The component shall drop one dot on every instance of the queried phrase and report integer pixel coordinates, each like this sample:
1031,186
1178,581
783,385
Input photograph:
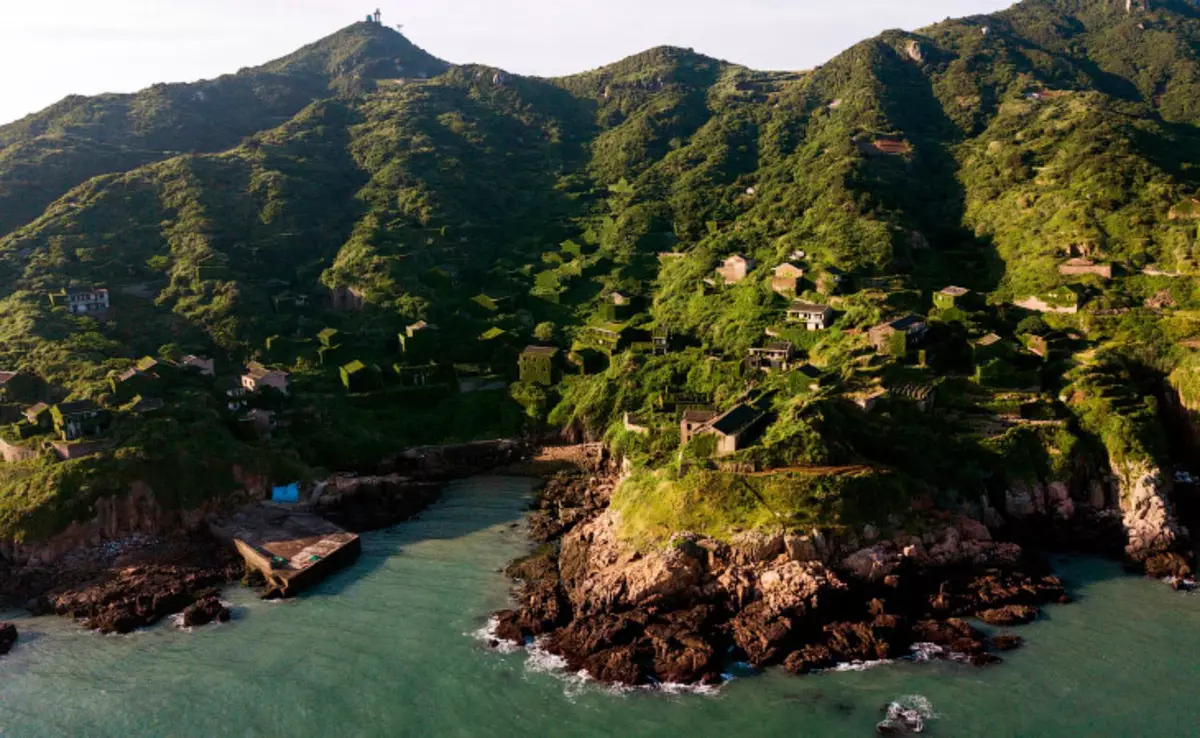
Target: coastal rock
8,637
207,610
679,612
1147,514
1020,501
809,659
872,564
1005,642
1168,566
801,549
158,582
753,547
599,574
1009,615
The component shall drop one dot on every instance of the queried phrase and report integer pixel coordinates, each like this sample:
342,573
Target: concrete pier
293,549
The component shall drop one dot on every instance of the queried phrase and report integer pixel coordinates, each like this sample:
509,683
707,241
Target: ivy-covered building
538,365
360,377
896,337
75,420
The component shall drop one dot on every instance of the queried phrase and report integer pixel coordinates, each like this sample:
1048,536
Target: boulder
809,659
801,549
1019,501
753,547
8,637
872,564
1009,615
207,610
1005,642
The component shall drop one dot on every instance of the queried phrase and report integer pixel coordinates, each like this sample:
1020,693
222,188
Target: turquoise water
387,648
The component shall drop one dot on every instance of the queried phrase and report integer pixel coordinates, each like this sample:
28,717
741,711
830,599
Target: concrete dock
293,549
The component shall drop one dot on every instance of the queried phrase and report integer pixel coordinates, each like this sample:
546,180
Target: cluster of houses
78,427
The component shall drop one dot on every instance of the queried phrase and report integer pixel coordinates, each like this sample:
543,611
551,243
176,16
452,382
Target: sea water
391,647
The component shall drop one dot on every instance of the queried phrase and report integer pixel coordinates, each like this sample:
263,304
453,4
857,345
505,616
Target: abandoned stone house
898,336
416,376
988,347
133,382
692,422
83,300
736,429
661,338
39,415
774,357
815,317
620,306
74,420
787,277
257,377
951,297
538,364
736,268
14,385
1079,266
204,365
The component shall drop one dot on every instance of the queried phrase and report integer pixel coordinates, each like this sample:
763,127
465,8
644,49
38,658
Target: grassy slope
554,192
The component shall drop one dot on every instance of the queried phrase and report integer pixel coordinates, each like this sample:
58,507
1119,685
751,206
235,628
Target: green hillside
393,231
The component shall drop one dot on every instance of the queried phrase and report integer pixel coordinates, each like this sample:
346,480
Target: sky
92,46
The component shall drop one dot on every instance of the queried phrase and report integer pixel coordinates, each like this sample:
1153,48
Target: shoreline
687,614
137,580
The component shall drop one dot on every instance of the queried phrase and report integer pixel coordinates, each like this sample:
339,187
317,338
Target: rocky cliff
806,601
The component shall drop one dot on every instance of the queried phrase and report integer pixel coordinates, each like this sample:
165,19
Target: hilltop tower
378,16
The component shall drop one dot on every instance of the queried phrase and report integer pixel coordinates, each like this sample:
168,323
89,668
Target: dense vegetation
392,231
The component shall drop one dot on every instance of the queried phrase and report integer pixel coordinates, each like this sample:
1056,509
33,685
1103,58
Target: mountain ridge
508,210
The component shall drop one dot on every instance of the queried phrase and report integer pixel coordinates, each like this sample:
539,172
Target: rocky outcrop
117,590
1153,533
207,610
804,600
8,637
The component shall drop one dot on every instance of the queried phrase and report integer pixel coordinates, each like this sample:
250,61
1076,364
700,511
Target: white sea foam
909,713
540,661
923,653
487,634
177,619
856,666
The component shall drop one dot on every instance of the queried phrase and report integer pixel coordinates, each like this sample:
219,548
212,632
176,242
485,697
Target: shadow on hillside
927,192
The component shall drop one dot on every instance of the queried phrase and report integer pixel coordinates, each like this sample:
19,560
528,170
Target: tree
544,332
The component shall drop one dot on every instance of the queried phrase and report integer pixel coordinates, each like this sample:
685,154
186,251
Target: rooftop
907,322
147,404
6,376
801,306
78,406
540,351
955,291
736,420
85,290
698,416
990,339
257,371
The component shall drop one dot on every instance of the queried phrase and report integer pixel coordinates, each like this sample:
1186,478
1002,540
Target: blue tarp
290,493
